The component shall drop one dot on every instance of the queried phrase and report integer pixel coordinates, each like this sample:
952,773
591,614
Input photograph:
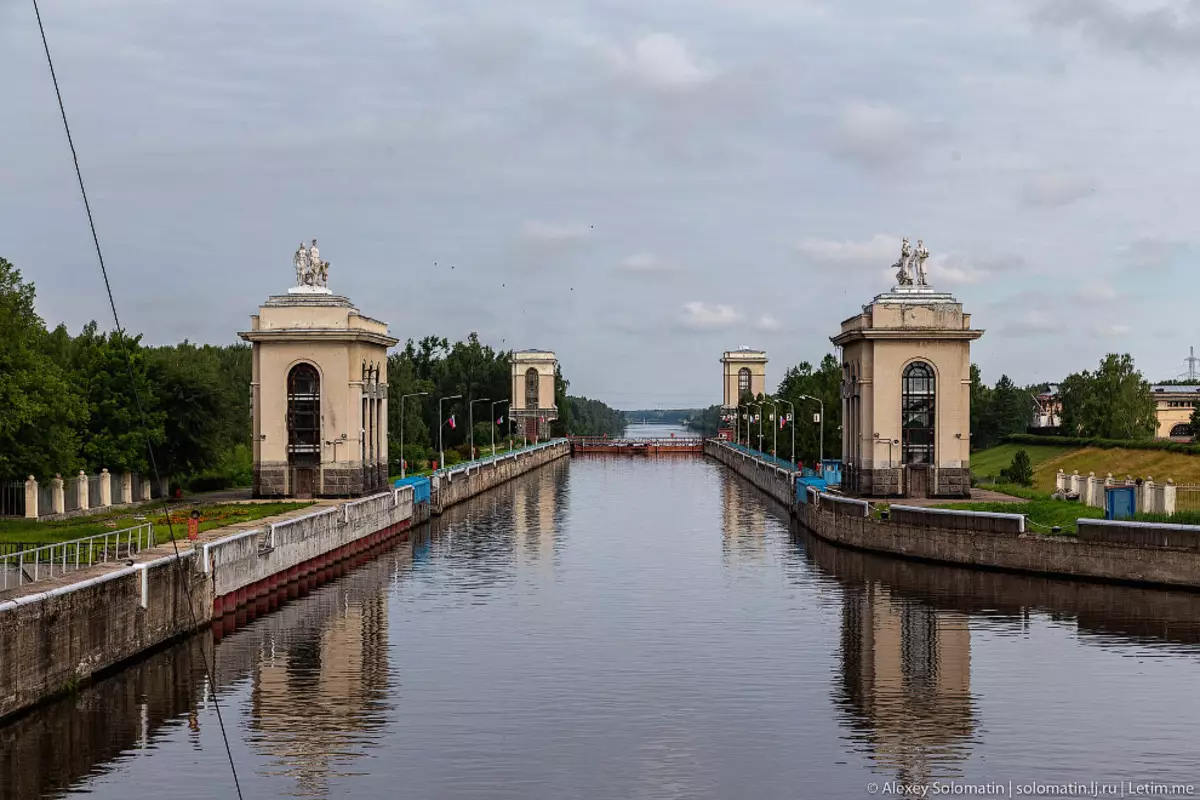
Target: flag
782,422
450,422
501,420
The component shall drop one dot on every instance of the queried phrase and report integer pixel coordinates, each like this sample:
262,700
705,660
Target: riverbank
1135,553
58,635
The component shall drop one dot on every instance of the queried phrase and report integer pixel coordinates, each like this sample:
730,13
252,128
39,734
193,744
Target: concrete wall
977,521
465,481
1025,552
1140,534
777,482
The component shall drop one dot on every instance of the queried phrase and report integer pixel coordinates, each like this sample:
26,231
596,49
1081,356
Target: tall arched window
304,413
918,403
531,388
743,382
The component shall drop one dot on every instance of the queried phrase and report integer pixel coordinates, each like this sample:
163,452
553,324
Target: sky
637,185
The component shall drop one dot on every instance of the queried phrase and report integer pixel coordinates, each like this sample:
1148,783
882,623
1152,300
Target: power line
183,578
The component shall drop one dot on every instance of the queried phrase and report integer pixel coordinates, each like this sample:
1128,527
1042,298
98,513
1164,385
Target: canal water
625,627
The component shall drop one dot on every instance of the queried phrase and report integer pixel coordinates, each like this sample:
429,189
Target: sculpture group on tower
310,269
911,264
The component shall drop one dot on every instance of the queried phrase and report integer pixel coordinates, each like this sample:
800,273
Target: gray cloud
874,135
1057,188
1169,30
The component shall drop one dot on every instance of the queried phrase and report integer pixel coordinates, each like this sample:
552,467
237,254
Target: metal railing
12,499
783,463
1187,498
47,561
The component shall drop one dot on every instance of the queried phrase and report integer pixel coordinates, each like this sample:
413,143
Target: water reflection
744,515
906,682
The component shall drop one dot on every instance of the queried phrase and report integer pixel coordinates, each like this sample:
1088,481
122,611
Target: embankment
1126,552
51,641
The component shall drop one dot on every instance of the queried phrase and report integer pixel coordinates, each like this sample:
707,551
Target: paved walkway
977,496
160,551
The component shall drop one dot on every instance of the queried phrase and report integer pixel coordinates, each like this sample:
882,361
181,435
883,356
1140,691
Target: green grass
987,464
211,516
1042,512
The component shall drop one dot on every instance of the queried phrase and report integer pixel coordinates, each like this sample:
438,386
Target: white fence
1152,498
43,563
84,494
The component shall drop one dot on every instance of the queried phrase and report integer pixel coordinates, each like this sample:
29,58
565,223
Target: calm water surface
641,628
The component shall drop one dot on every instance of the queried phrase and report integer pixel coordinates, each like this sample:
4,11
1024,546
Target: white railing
43,563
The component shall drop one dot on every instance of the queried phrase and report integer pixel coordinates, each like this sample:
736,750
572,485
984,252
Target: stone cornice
319,334
884,334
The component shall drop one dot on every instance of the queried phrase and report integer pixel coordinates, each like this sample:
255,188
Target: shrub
1020,471
1106,444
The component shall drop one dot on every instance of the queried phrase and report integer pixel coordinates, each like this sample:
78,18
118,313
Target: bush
1106,444
1020,471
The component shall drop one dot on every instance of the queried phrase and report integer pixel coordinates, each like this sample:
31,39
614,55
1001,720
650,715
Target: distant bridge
637,447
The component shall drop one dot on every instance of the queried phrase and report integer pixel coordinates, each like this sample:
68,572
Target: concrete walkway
977,496
159,551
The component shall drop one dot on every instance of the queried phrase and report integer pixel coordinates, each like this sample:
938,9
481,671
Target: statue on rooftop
310,269
920,256
903,276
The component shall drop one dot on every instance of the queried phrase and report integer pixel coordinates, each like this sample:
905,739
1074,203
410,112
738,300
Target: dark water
620,627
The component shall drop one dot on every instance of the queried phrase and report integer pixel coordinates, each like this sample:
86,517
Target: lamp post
737,428
471,422
792,410
822,423
442,424
496,403
774,427
403,463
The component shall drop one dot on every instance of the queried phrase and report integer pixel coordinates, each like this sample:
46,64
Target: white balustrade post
1089,490
1146,501
31,498
1168,498
81,489
105,489
1077,483
145,489
126,488
1060,481
60,500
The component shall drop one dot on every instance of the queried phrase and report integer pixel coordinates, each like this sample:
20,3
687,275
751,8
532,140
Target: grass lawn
988,463
211,516
1043,513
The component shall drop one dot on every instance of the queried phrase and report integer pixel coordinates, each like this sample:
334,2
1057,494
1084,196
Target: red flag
782,422
500,421
450,422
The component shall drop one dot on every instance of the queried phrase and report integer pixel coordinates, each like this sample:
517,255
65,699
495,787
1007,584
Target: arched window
1182,431
304,413
743,382
918,403
531,388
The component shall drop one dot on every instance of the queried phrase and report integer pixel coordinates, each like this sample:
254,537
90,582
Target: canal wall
55,640
464,481
776,482
1126,552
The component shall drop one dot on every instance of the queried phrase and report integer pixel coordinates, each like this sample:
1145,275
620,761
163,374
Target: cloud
662,62
1169,30
1097,293
879,251
554,233
701,317
648,263
1153,255
1111,329
1033,323
767,324
1057,188
874,135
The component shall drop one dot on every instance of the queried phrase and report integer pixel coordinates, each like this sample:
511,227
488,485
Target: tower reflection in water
744,524
319,689
906,683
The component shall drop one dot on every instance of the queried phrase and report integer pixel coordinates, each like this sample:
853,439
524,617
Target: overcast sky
635,184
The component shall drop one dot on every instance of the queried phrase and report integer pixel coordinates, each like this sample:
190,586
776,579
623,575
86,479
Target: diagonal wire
183,578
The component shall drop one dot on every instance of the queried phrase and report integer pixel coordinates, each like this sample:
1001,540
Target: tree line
104,400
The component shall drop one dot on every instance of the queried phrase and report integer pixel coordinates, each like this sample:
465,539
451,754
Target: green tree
1195,422
1011,408
102,365
1020,471
203,414
1114,402
40,412
824,383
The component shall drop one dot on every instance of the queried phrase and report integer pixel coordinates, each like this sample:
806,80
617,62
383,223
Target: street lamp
442,424
774,428
821,423
496,403
471,421
403,463
737,434
792,411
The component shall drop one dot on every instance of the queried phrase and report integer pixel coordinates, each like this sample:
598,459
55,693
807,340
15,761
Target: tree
1011,408
200,409
111,374
562,425
1020,471
1195,422
1114,402
825,383
40,412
